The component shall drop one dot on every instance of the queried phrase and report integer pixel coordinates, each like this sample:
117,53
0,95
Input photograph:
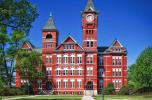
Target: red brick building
74,69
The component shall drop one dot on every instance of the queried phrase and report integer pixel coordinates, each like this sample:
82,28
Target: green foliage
2,83
40,75
109,90
17,14
16,18
28,64
127,90
141,72
11,91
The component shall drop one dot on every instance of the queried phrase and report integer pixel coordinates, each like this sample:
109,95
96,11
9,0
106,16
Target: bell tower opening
49,36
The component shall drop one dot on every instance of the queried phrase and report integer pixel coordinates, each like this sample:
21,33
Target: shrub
109,89
126,90
11,91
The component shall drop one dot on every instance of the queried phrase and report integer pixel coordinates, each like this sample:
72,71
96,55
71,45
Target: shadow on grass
47,99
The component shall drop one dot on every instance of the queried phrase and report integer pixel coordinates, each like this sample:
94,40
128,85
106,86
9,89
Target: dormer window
116,49
69,47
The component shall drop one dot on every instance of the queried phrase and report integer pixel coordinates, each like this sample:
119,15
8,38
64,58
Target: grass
55,97
45,98
120,97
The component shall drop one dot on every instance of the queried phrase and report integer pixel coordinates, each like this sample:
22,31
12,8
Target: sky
129,21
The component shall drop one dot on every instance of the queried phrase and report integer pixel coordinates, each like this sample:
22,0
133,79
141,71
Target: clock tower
89,26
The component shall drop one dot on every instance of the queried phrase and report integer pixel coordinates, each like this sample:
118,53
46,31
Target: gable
69,44
116,47
27,45
117,44
69,40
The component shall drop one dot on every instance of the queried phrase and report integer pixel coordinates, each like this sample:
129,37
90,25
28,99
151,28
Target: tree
141,72
29,65
109,89
16,17
17,14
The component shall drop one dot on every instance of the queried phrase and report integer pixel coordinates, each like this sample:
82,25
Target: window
90,59
89,34
89,71
91,44
48,59
116,72
120,73
72,84
113,73
79,58
88,44
117,49
58,61
100,72
58,72
116,60
58,84
72,59
65,72
49,45
48,71
72,72
49,36
117,84
65,83
79,83
100,60
39,84
100,84
113,61
68,47
79,72
65,59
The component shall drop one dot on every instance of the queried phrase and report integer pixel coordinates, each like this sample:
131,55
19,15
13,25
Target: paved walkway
87,98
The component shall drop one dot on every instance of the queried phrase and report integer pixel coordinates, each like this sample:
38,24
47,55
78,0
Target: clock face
90,18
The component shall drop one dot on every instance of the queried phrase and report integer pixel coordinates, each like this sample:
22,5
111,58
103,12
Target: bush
11,91
109,89
28,89
126,90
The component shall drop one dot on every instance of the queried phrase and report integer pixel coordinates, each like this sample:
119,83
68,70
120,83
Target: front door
89,88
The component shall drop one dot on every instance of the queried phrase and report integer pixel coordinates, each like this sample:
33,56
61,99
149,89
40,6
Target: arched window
49,36
89,85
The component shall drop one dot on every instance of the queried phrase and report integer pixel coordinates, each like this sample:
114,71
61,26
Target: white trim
79,55
79,80
59,55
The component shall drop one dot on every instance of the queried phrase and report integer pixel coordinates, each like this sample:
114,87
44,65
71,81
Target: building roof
69,36
30,45
102,49
89,6
49,24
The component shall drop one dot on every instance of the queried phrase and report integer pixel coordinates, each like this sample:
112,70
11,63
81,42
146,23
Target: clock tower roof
49,26
90,7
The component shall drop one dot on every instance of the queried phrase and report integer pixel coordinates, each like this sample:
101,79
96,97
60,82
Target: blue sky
130,21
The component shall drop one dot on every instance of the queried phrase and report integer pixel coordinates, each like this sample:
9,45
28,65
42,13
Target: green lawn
55,97
119,97
45,98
